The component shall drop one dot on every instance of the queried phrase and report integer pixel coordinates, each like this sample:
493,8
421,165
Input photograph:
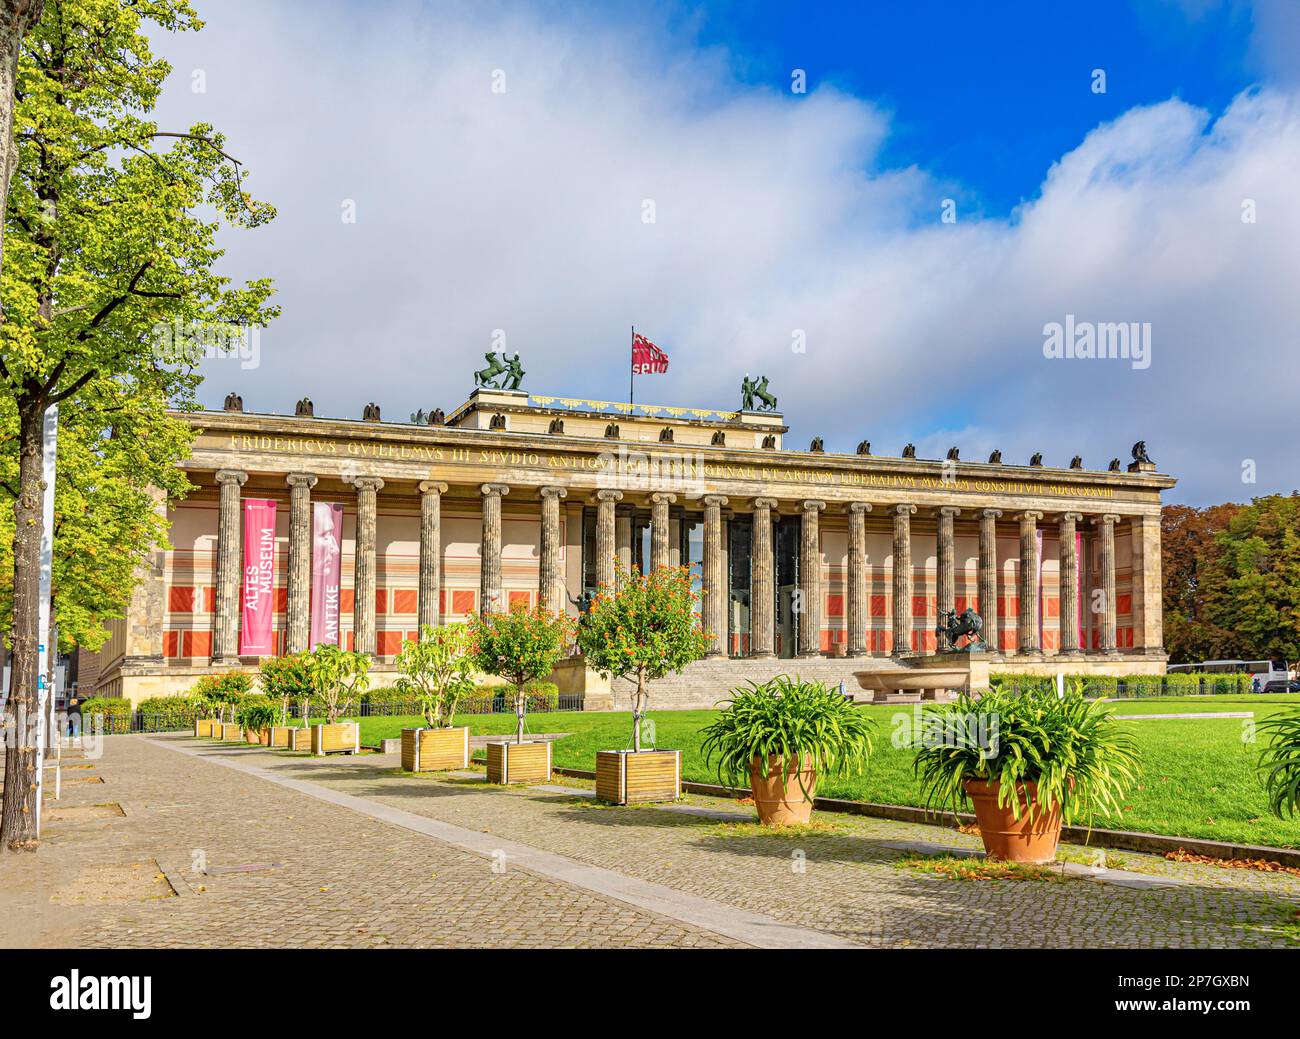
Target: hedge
115,711
1132,686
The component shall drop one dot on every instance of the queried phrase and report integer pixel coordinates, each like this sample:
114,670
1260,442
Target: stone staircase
707,681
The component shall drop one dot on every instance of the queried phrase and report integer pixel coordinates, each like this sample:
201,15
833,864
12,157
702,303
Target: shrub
256,712
1280,763
285,679
338,677
437,671
222,691
1072,748
792,720
164,712
114,710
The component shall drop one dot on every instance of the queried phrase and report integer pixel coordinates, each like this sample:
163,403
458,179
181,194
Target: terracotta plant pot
1008,838
626,777
780,797
252,736
339,738
519,762
435,750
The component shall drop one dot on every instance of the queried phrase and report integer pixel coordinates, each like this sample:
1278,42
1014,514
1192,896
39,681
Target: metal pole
631,371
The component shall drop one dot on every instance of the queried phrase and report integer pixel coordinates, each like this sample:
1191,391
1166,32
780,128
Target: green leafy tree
223,692
109,284
438,670
520,646
647,629
338,678
285,679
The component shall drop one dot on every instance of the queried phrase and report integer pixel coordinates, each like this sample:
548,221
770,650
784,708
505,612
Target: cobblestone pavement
386,885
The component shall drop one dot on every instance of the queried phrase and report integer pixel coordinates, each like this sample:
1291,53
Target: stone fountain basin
911,678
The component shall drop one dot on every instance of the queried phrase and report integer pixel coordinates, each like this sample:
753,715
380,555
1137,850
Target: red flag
647,359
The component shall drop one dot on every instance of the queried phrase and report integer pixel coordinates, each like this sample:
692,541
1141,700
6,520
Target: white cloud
523,211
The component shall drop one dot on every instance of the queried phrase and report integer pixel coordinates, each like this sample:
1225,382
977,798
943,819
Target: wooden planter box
206,728
280,735
624,777
231,732
519,762
340,738
435,750
298,739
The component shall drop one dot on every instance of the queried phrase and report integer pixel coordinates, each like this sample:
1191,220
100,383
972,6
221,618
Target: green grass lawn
1198,779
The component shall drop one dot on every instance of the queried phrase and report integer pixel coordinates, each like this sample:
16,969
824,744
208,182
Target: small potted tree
338,677
256,714
224,692
520,646
1027,762
782,735
285,679
436,671
1280,763
646,630
207,724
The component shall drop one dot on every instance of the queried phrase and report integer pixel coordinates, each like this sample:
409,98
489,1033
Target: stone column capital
495,490
812,505
1108,519
301,480
604,496
1030,516
368,483
765,503
432,487
663,498
992,513
858,507
904,510
714,501
228,476
1072,517
554,492
948,511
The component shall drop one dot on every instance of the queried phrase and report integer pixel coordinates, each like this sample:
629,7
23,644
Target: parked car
1281,685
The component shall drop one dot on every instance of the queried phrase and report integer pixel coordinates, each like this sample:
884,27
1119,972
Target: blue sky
795,235
988,95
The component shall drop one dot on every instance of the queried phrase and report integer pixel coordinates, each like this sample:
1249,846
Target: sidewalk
354,853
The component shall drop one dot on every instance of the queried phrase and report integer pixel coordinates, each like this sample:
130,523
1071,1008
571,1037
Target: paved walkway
351,852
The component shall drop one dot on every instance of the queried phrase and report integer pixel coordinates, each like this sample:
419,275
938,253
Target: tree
285,679
646,630
1189,563
16,18
222,691
438,670
109,281
520,646
338,676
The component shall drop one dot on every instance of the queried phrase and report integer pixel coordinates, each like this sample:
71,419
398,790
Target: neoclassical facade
841,562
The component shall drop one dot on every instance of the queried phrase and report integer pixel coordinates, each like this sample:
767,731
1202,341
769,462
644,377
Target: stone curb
1120,840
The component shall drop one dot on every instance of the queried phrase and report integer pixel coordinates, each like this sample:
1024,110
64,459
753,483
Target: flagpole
631,371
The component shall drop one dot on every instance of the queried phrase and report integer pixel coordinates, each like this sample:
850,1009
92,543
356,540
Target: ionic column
605,542
363,566
762,594
810,579
623,539
1027,616
713,615
857,607
659,527
1106,530
550,586
988,578
491,598
298,591
903,578
431,493
947,580
225,631
1069,556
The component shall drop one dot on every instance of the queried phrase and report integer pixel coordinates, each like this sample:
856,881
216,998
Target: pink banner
255,635
326,556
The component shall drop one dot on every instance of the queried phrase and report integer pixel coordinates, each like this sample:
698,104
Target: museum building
303,529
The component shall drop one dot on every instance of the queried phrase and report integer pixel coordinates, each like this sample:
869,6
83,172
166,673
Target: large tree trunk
18,823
